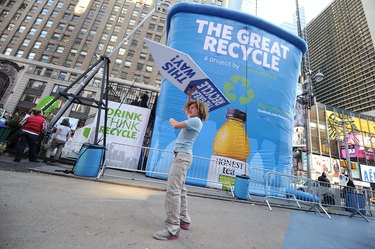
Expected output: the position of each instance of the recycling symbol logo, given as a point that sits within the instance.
(241, 81)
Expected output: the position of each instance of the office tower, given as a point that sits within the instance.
(247, 6)
(342, 45)
(46, 44)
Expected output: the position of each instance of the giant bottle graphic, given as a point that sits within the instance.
(232, 148)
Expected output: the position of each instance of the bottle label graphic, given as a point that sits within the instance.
(232, 148)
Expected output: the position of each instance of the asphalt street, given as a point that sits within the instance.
(46, 211)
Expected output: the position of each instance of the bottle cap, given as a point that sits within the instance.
(235, 113)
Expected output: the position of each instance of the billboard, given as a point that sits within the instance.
(126, 124)
(256, 65)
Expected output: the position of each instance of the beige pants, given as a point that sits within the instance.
(176, 195)
(55, 144)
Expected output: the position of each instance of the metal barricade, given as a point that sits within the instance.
(155, 163)
(263, 183)
(288, 188)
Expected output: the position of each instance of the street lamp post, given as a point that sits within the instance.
(308, 101)
(349, 166)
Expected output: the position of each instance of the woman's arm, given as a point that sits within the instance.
(177, 125)
(58, 130)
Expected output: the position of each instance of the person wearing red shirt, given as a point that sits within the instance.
(32, 126)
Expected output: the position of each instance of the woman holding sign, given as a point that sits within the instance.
(176, 195)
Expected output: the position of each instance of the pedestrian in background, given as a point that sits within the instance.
(32, 126)
(324, 181)
(176, 195)
(59, 138)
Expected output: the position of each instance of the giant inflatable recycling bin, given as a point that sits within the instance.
(256, 65)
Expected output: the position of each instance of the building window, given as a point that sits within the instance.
(135, 13)
(117, 29)
(60, 5)
(54, 60)
(157, 38)
(71, 28)
(60, 49)
(79, 108)
(72, 77)
(37, 44)
(151, 26)
(104, 37)
(56, 36)
(78, 65)
(100, 46)
(61, 26)
(38, 21)
(92, 13)
(108, 27)
(87, 22)
(14, 40)
(48, 73)
(77, 41)
(67, 16)
(58, 88)
(4, 13)
(27, 19)
(113, 38)
(62, 76)
(38, 70)
(43, 34)
(21, 29)
(8, 51)
(26, 42)
(73, 52)
(146, 80)
(112, 17)
(36, 84)
(131, 53)
(32, 31)
(45, 58)
(49, 24)
(83, 54)
(100, 14)
(55, 14)
(68, 63)
(132, 22)
(44, 12)
(30, 98)
(139, 66)
(121, 51)
(75, 19)
(149, 68)
(134, 44)
(65, 38)
(3, 37)
(143, 56)
(127, 64)
(19, 53)
(96, 25)
(11, 26)
(51, 47)
(160, 28)
(109, 48)
(121, 19)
